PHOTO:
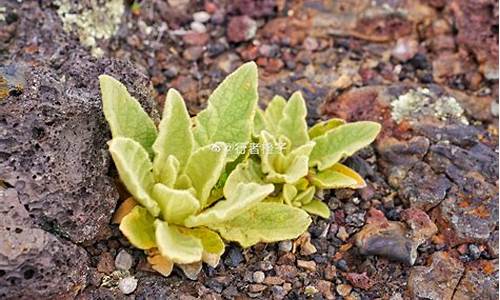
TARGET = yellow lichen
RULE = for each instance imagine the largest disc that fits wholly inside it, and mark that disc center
(97, 20)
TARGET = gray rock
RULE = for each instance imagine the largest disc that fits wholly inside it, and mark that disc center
(422, 188)
(124, 261)
(395, 240)
(35, 264)
(53, 145)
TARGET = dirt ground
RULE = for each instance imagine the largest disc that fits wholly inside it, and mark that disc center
(425, 227)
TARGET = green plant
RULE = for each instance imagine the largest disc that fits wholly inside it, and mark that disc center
(308, 159)
(176, 174)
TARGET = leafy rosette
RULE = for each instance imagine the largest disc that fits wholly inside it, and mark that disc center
(179, 173)
(299, 160)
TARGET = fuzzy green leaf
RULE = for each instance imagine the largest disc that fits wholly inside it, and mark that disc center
(204, 168)
(230, 112)
(213, 245)
(125, 115)
(317, 207)
(338, 176)
(245, 195)
(293, 123)
(264, 222)
(324, 127)
(289, 168)
(175, 205)
(289, 193)
(179, 247)
(245, 172)
(259, 122)
(167, 171)
(306, 196)
(274, 113)
(174, 138)
(135, 170)
(138, 227)
(341, 142)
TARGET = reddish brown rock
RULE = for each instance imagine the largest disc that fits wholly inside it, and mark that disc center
(476, 22)
(195, 38)
(480, 281)
(438, 280)
(361, 281)
(241, 28)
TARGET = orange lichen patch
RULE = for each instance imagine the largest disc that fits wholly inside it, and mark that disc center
(438, 239)
(488, 267)
(123, 210)
(463, 204)
(481, 211)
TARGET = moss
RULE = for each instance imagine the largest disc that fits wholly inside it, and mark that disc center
(96, 20)
(423, 102)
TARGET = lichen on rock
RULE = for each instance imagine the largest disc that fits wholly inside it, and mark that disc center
(91, 20)
(423, 102)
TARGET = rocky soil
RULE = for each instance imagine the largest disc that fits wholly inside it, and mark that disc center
(425, 227)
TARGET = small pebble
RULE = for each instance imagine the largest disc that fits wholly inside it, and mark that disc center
(124, 261)
(342, 265)
(198, 27)
(127, 285)
(310, 290)
(307, 265)
(201, 16)
(342, 234)
(474, 251)
(344, 289)
(266, 265)
(258, 277)
(233, 258)
(285, 246)
(494, 108)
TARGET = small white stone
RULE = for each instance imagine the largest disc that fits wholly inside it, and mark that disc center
(198, 27)
(127, 285)
(285, 246)
(201, 16)
(258, 276)
(124, 261)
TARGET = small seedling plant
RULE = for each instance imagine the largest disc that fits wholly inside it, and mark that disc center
(232, 173)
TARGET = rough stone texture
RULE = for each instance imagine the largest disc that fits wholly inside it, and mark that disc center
(436, 281)
(366, 20)
(449, 166)
(476, 22)
(422, 188)
(35, 264)
(480, 281)
(53, 145)
(395, 240)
